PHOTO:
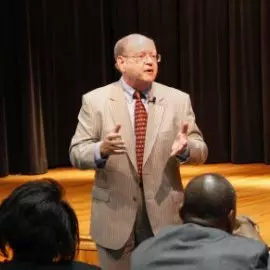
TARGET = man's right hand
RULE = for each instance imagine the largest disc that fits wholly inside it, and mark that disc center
(112, 143)
(246, 227)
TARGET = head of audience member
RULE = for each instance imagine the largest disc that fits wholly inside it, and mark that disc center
(38, 224)
(137, 59)
(210, 200)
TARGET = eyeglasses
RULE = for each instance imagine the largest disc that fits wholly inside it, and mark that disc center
(144, 56)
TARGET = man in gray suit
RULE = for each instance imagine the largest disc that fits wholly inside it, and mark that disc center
(205, 240)
(135, 133)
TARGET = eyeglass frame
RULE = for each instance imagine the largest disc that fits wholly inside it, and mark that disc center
(141, 58)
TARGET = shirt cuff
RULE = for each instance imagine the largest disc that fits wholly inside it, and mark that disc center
(100, 162)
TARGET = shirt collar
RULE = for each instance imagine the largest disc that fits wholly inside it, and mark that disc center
(129, 91)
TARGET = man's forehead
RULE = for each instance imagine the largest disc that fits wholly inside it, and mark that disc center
(140, 44)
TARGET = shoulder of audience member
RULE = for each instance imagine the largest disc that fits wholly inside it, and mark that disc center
(165, 234)
(247, 244)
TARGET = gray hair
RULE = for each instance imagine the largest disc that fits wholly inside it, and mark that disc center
(121, 44)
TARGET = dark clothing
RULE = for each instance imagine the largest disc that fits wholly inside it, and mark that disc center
(16, 265)
(195, 247)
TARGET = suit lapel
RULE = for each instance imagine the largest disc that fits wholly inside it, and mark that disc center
(120, 114)
(155, 114)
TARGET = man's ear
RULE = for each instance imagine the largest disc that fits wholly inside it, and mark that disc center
(231, 220)
(120, 64)
(116, 66)
(182, 211)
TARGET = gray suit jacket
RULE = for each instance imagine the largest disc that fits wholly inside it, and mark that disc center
(114, 204)
(193, 247)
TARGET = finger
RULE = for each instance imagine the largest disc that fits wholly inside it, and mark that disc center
(174, 152)
(242, 219)
(251, 221)
(184, 144)
(118, 143)
(178, 150)
(116, 128)
(119, 152)
(120, 147)
(114, 136)
(184, 128)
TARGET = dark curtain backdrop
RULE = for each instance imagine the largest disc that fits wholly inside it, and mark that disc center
(52, 52)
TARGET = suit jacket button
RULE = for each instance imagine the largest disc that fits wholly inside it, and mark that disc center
(134, 198)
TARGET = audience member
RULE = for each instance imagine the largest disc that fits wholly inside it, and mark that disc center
(205, 241)
(40, 228)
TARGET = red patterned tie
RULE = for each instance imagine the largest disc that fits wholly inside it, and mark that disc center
(140, 124)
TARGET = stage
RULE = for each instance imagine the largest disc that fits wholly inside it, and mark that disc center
(251, 181)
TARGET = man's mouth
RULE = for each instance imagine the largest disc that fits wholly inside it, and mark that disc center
(149, 71)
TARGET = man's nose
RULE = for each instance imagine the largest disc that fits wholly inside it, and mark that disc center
(148, 59)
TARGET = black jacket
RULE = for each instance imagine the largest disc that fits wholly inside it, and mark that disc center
(16, 265)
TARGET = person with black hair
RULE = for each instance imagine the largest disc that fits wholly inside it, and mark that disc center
(40, 228)
(207, 239)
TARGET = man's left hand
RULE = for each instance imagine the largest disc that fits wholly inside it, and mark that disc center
(180, 142)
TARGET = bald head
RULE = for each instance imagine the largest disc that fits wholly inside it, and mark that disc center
(122, 45)
(209, 199)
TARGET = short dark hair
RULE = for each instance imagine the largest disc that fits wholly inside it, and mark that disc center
(208, 197)
(38, 224)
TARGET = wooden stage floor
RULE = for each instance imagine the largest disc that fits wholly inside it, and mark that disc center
(252, 183)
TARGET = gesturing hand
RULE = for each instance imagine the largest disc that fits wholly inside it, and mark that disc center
(180, 141)
(113, 143)
(244, 226)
